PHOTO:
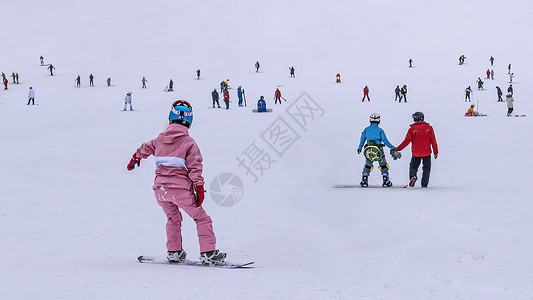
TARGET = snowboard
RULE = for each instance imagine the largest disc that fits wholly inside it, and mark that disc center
(358, 186)
(268, 110)
(195, 263)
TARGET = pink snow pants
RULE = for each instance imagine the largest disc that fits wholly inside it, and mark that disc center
(171, 200)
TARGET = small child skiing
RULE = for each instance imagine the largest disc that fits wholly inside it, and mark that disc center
(261, 105)
(376, 139)
(179, 184)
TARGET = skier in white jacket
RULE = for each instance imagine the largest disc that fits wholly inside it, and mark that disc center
(127, 100)
(31, 96)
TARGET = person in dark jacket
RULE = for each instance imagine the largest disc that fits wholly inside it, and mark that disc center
(500, 94)
(91, 80)
(422, 139)
(171, 86)
(510, 89)
(468, 90)
(403, 91)
(491, 59)
(292, 71)
(214, 95)
(51, 68)
(397, 93)
(257, 65)
(198, 74)
(78, 81)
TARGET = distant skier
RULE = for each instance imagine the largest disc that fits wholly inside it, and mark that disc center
(5, 83)
(500, 93)
(511, 76)
(198, 74)
(257, 66)
(479, 83)
(144, 81)
(214, 95)
(509, 99)
(127, 100)
(510, 89)
(338, 78)
(277, 96)
(491, 59)
(468, 90)
(170, 86)
(17, 77)
(226, 84)
(108, 81)
(239, 95)
(292, 72)
(3, 76)
(222, 86)
(410, 63)
(78, 81)
(374, 136)
(226, 98)
(488, 74)
(365, 94)
(422, 139)
(31, 96)
(261, 105)
(91, 80)
(509, 69)
(397, 93)
(179, 184)
(51, 68)
(42, 60)
(403, 92)
(14, 77)
(492, 74)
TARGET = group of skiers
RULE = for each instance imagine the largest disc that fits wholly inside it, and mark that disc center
(421, 137)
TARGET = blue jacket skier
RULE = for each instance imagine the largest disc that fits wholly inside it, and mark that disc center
(261, 105)
(239, 94)
(375, 136)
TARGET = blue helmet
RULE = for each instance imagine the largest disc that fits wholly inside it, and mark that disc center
(181, 113)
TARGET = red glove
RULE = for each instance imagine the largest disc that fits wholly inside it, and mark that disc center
(134, 161)
(199, 194)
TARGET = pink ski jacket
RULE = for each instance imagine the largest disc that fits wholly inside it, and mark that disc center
(178, 159)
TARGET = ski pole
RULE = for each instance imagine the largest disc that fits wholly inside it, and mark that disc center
(284, 99)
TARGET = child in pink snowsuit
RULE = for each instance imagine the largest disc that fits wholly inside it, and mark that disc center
(179, 183)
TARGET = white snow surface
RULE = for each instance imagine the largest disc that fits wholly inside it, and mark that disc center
(73, 220)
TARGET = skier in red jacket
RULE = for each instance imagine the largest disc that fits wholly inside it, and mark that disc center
(422, 137)
(277, 96)
(365, 94)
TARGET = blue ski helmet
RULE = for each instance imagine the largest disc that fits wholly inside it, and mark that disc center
(181, 113)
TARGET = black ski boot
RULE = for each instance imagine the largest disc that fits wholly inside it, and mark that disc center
(386, 181)
(364, 181)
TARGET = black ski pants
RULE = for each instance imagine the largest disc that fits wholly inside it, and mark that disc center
(426, 168)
